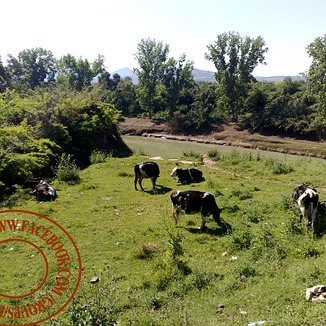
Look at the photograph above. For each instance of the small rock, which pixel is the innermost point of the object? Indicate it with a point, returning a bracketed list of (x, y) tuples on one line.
[(94, 280), (220, 308)]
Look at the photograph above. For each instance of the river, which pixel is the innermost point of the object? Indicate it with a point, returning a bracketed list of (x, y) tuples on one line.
[(167, 148)]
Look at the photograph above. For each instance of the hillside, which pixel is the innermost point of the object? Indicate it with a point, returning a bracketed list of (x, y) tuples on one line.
[(201, 76), (256, 266), (227, 134)]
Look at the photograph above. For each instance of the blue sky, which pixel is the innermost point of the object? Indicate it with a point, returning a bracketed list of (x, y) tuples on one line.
[(113, 28)]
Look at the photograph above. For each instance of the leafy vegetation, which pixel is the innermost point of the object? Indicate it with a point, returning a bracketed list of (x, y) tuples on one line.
[(50, 106), (151, 272)]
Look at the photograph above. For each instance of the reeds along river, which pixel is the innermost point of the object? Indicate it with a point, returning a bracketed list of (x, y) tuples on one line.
[(175, 148)]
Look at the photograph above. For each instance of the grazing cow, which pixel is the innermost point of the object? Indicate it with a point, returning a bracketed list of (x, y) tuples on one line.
[(41, 189), (187, 176), (192, 201), (146, 170), (297, 192), (307, 200)]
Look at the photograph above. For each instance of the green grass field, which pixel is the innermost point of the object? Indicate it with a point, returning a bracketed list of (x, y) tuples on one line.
[(151, 272)]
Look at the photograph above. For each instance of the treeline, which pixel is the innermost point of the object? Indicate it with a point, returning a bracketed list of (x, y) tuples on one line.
[(50, 107)]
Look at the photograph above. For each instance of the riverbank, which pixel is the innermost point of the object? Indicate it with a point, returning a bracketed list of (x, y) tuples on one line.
[(228, 135)]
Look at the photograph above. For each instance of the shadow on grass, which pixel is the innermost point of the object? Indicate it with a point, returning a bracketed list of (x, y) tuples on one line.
[(160, 190), (321, 222), (224, 229)]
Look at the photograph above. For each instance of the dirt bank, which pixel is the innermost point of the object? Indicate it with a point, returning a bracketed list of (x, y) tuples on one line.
[(226, 134)]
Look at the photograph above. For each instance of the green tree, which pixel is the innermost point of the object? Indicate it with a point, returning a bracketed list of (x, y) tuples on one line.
[(176, 76), (278, 106), (77, 74), (316, 83), (3, 77), (124, 98), (151, 56), (33, 68), (235, 58)]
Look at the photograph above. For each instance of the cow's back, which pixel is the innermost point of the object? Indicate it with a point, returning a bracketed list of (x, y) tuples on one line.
[(147, 169)]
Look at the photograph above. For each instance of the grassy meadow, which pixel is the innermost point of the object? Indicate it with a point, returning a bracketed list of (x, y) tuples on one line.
[(255, 268)]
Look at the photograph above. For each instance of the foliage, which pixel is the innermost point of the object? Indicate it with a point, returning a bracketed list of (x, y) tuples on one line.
[(78, 74), (32, 68), (66, 169), (316, 83), (98, 156), (151, 56), (177, 75), (23, 156), (235, 58)]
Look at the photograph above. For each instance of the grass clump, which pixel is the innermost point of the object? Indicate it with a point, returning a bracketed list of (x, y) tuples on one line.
[(98, 156), (66, 169)]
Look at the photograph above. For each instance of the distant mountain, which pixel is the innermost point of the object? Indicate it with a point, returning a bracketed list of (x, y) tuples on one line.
[(277, 78), (202, 76), (126, 72)]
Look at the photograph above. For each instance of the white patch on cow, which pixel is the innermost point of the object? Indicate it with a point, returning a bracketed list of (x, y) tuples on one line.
[(309, 213), (206, 194), (52, 191), (174, 172), (309, 192)]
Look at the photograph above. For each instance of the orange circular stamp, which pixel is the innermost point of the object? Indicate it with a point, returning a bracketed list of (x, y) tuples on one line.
[(40, 268)]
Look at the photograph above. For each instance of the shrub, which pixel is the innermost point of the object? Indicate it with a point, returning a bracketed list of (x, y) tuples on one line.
[(266, 238), (241, 194), (98, 156), (193, 154), (255, 212), (245, 270), (293, 226), (241, 240), (214, 154), (278, 167), (66, 169), (148, 251)]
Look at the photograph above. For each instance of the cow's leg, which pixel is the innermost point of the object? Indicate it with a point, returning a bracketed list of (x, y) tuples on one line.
[(140, 183), (313, 220), (135, 182), (203, 222), (154, 182)]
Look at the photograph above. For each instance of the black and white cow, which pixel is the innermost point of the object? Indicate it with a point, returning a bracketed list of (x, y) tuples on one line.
[(186, 176), (146, 170), (192, 201), (306, 199), (41, 189)]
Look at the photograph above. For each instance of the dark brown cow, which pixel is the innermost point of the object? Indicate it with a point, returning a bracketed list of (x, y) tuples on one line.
[(192, 201), (146, 170), (41, 189)]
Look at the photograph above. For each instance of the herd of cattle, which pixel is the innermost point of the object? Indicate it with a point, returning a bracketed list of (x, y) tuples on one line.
[(192, 201)]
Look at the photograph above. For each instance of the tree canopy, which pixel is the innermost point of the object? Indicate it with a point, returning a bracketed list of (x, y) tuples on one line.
[(316, 82), (235, 58), (70, 105)]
